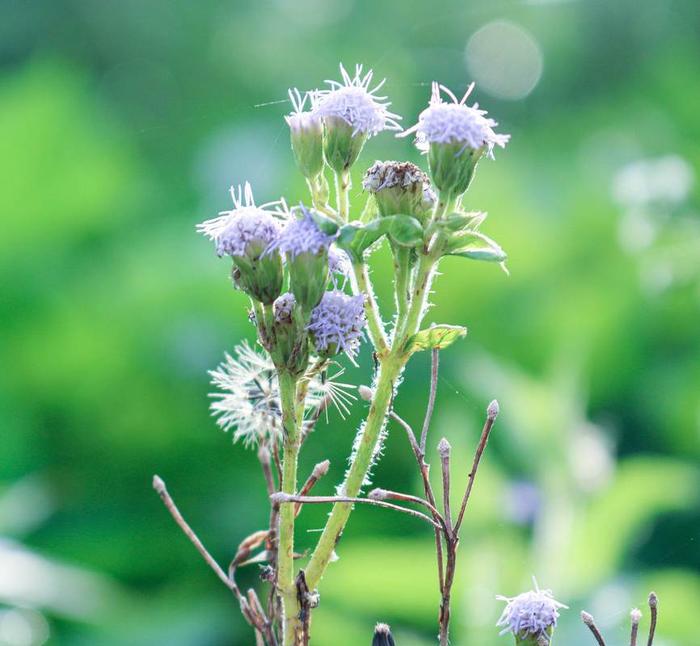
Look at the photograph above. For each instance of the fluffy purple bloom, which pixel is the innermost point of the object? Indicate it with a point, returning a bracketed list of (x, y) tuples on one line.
[(338, 265), (302, 235), (355, 103), (337, 322), (445, 122), (249, 229), (246, 224), (534, 613)]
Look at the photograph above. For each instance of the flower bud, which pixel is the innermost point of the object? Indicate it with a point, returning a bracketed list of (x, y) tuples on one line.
[(399, 188), (455, 136), (306, 250), (290, 346), (351, 113), (306, 133), (382, 636), (336, 324), (245, 233)]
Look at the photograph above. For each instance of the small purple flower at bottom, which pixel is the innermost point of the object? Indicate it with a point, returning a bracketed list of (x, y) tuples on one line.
[(530, 613), (301, 235), (336, 323)]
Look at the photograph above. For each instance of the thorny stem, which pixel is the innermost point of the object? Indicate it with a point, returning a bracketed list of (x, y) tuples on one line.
[(282, 498), (291, 420)]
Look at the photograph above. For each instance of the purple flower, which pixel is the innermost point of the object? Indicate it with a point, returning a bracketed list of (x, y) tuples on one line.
[(357, 105), (246, 229), (530, 613), (338, 265), (336, 323), (445, 122), (302, 235)]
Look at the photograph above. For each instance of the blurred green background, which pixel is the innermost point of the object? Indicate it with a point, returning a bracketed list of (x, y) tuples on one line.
[(123, 124)]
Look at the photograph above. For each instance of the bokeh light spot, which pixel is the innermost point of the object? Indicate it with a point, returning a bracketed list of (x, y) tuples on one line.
[(504, 59)]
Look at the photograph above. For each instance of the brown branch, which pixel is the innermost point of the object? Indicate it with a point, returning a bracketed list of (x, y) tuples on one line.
[(320, 470), (283, 498), (653, 609), (159, 486), (385, 494), (491, 414), (444, 451), (434, 367), (427, 488), (635, 616), (590, 622)]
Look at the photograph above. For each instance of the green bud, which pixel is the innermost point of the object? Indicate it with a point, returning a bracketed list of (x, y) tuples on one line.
[(399, 188), (452, 166), (308, 277), (259, 274), (306, 135), (290, 347), (341, 146)]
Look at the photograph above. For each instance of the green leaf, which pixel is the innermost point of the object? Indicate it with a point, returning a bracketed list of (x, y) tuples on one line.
[(436, 337), (356, 238), (475, 246), (456, 222), (324, 223), (404, 230)]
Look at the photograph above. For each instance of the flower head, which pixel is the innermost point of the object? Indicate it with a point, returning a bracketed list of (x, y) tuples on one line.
[(302, 235), (454, 121), (299, 118), (233, 231), (336, 323), (530, 613), (248, 398), (306, 131), (399, 188), (355, 103), (338, 265)]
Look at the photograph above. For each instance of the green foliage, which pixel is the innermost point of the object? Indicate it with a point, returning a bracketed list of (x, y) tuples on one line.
[(112, 310)]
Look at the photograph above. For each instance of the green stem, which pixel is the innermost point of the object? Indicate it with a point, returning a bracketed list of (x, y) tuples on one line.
[(342, 191), (390, 370), (374, 320), (402, 297), (291, 419)]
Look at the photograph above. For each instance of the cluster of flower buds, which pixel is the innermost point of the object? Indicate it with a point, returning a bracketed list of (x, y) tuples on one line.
[(262, 241), (337, 123)]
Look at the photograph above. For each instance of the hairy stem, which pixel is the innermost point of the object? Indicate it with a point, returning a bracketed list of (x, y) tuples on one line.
[(285, 557), (374, 319), (383, 394), (402, 273), (342, 192), (390, 369)]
